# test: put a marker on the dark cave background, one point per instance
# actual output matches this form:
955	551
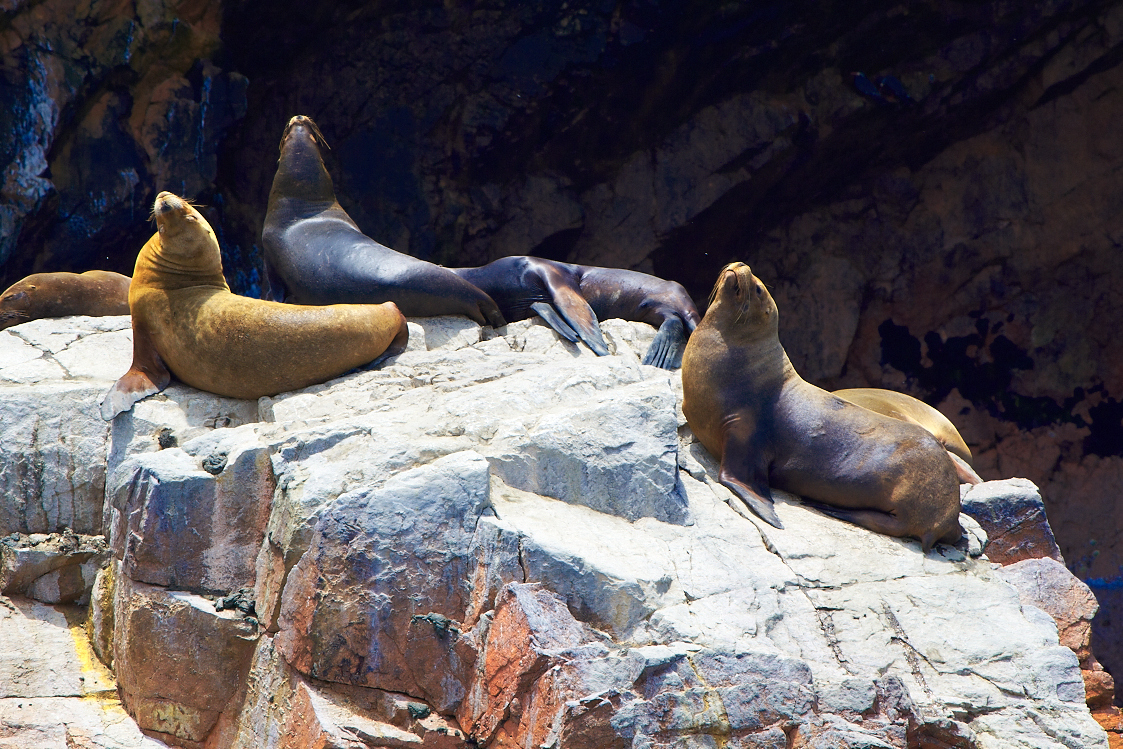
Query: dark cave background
963	247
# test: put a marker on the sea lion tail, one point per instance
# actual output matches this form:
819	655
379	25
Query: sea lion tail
666	349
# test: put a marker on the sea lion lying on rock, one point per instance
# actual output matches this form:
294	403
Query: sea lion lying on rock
186	322
97	293
571	298
768	427
315	254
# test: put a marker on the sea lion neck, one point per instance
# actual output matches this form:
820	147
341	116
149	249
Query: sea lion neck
301	174
184	251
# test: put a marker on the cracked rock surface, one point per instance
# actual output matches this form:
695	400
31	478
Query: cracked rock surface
499	537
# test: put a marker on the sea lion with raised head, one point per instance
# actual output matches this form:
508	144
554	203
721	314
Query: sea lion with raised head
906	408
97	293
186	322
315	254
747	405
571	298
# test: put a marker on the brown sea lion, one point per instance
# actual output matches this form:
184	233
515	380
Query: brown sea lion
748	406
315	254
186	320
571	298
906	408
96	293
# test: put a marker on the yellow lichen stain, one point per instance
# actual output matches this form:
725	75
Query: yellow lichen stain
98	682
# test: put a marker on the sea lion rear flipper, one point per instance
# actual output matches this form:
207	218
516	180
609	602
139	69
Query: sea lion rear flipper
550	316
147	376
743	472
396	347
964	470
569	303
872	520
666	349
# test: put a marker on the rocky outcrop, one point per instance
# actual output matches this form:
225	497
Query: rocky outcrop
959	243
503	539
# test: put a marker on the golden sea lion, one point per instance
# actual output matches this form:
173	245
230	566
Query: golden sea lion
97	293
749	408
186	320
906	408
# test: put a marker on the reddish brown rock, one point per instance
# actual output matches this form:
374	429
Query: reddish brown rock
1048	585
178	661
298	712
524	640
1013	515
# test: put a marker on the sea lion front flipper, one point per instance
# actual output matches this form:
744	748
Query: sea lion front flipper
743	471
272	287
666	348
569	303
147	376
560	326
964	470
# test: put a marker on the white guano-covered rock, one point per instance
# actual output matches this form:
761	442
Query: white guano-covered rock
52	438
502	528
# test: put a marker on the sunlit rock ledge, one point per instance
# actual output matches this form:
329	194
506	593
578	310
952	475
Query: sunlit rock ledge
502	539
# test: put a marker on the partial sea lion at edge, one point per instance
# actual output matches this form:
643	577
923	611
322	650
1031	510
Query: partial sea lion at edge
97	293
749	407
186	322
571	298
315	254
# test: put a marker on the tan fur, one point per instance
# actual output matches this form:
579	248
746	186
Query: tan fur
748	406
96	293
906	408
232	345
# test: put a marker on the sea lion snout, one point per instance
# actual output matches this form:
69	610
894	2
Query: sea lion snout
303	126
167	201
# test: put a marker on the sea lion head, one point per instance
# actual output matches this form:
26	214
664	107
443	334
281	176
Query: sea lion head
741	304
182	229
301	173
187	247
15	304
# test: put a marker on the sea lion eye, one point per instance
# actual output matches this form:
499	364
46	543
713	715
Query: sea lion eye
189	217
759	292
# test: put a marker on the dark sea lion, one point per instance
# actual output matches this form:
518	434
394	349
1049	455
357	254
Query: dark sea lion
748	406
97	293
315	254
571	298
186	322
906	408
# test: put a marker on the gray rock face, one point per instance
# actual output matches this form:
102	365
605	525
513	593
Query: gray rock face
52	441
507	536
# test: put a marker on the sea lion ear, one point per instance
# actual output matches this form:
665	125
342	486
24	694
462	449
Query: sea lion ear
147	376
